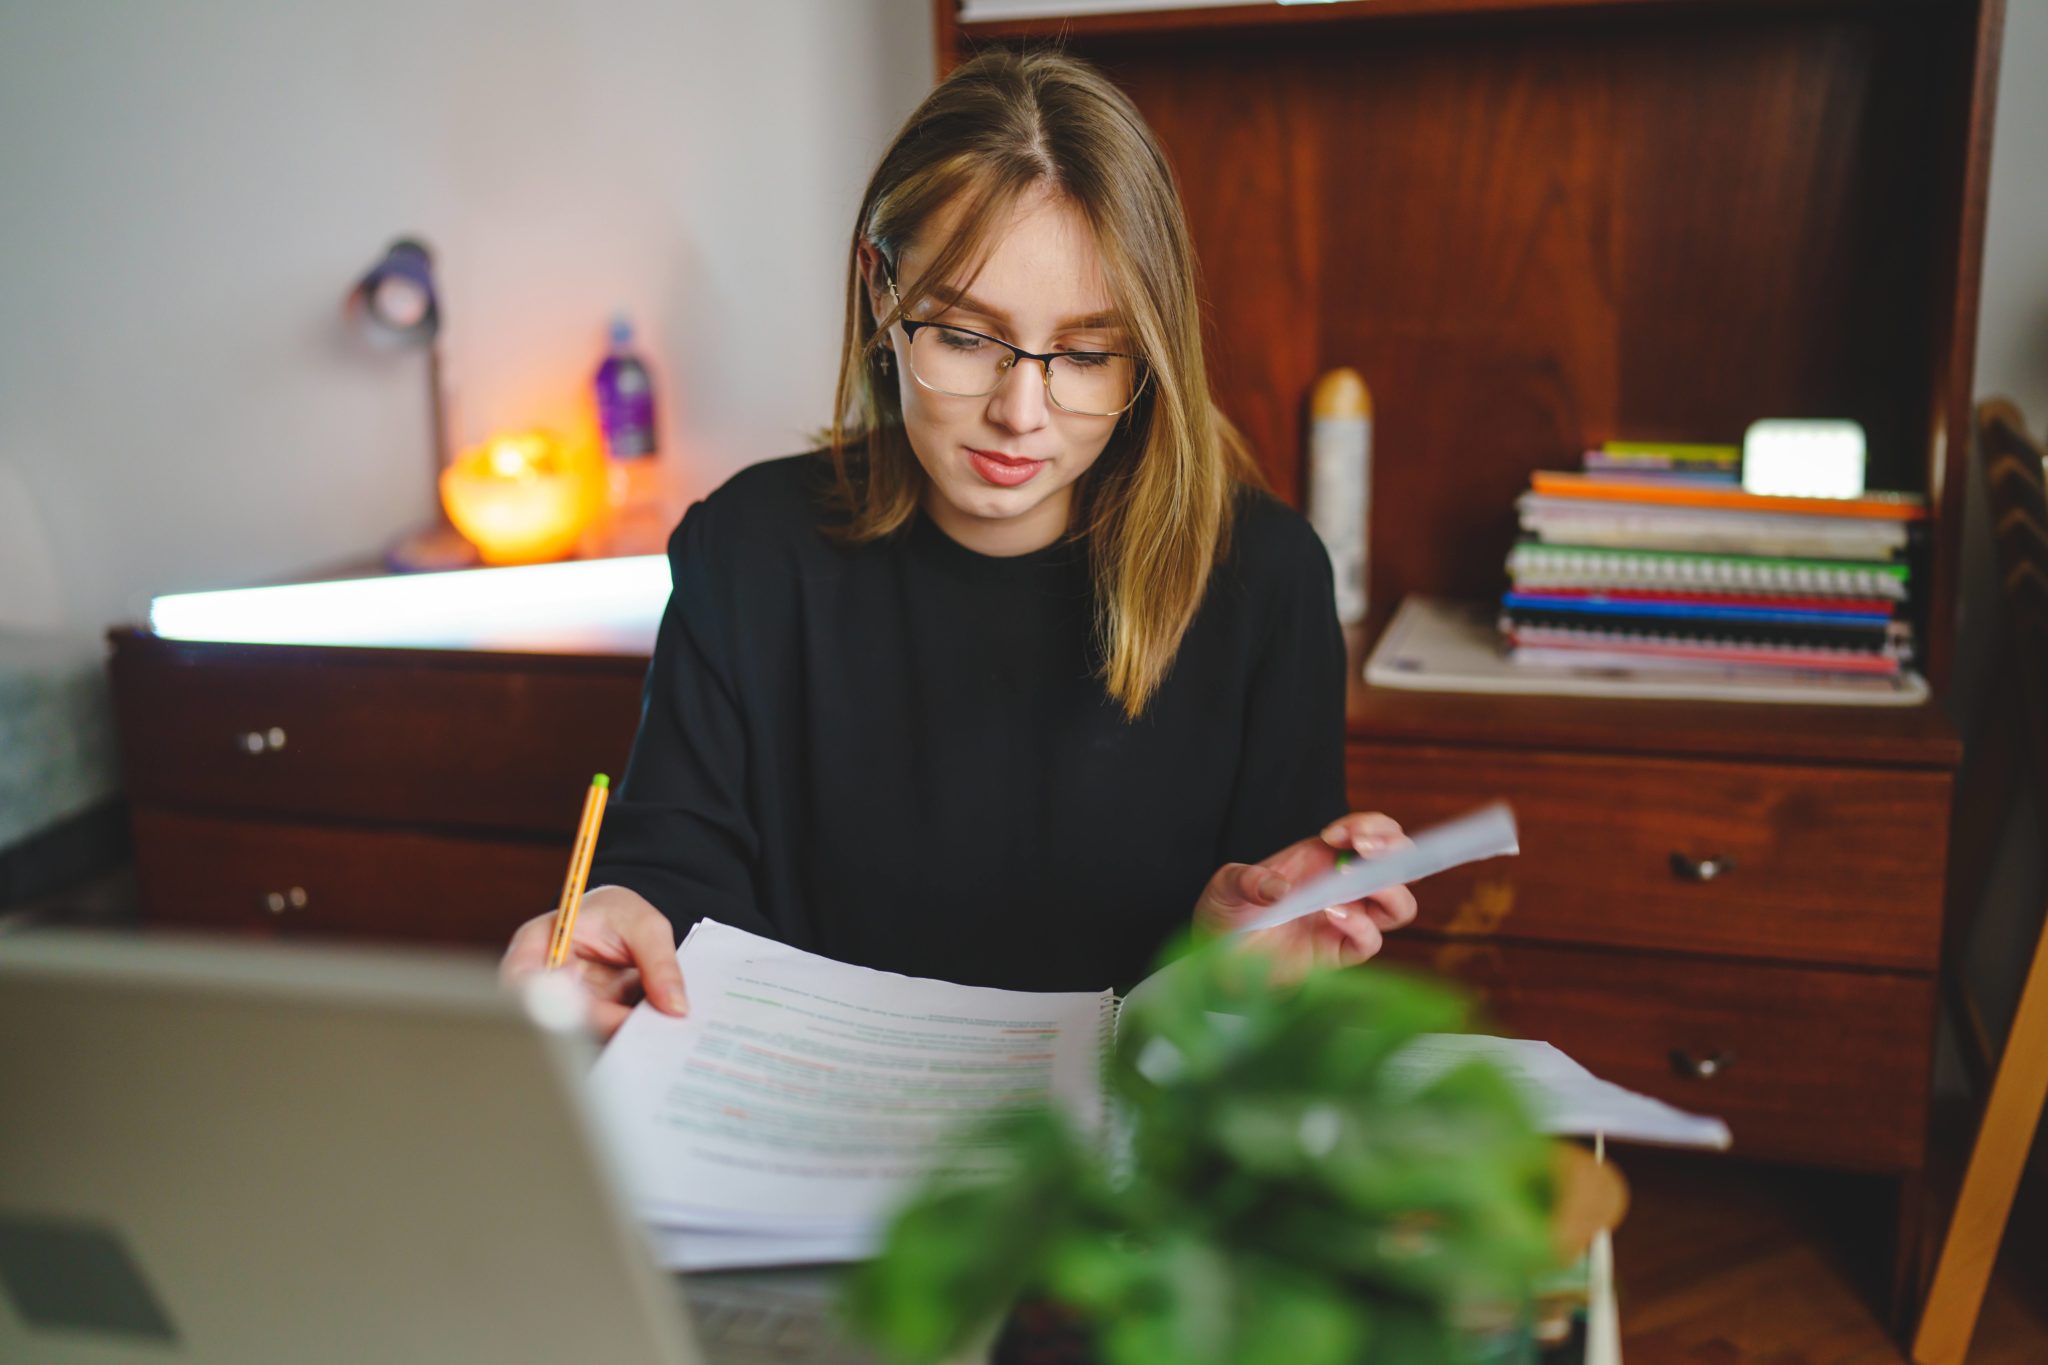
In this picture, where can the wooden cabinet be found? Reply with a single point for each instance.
(1756, 860)
(392, 794)
(333, 881)
(1734, 908)
(1805, 1064)
(505, 743)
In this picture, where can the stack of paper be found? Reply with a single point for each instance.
(782, 1120)
(786, 1114)
(1671, 571)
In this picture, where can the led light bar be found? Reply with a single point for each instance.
(592, 606)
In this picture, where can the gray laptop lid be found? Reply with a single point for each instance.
(231, 1152)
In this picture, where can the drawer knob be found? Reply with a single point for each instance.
(277, 902)
(1700, 869)
(261, 741)
(1701, 1068)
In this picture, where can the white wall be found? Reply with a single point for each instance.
(2012, 331)
(187, 190)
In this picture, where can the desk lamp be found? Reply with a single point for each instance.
(397, 305)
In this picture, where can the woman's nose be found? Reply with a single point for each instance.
(1019, 402)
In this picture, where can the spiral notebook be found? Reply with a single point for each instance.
(1434, 645)
(1706, 530)
(1537, 566)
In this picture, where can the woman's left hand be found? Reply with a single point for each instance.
(1339, 936)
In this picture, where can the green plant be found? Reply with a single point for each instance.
(1282, 1190)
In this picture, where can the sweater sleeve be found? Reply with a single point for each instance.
(1290, 781)
(678, 829)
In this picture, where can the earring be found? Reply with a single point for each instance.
(887, 356)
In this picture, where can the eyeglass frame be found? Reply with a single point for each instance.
(910, 328)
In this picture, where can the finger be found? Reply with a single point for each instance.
(1391, 908)
(1235, 889)
(652, 941)
(1259, 884)
(528, 951)
(1238, 886)
(1299, 860)
(1364, 831)
(1361, 938)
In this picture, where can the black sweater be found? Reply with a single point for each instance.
(901, 756)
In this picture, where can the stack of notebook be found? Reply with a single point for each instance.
(1654, 560)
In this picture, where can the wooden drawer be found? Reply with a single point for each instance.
(1830, 1067)
(306, 880)
(399, 737)
(1838, 865)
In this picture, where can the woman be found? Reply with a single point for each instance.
(988, 688)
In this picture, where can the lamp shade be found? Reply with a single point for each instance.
(524, 498)
(397, 294)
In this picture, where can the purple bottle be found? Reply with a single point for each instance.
(625, 410)
(625, 397)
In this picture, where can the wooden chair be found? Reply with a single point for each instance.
(2014, 478)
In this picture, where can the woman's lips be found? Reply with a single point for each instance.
(1003, 471)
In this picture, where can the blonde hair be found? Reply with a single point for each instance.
(1156, 505)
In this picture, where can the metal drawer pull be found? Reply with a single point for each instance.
(1700, 1068)
(277, 902)
(1700, 869)
(261, 741)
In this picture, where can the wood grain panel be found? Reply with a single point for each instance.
(1883, 737)
(201, 871)
(1532, 233)
(1819, 865)
(389, 736)
(1809, 1065)
(1263, 272)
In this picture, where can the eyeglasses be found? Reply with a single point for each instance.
(963, 363)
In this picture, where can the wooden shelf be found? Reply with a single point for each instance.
(1225, 19)
(139, 641)
(1873, 736)
(1651, 727)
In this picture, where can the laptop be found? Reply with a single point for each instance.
(233, 1152)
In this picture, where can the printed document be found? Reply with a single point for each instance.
(803, 1095)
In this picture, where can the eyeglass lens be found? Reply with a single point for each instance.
(969, 366)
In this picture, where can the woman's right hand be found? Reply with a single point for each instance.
(621, 951)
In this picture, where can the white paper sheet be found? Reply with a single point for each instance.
(701, 1249)
(1568, 1099)
(803, 1096)
(1488, 832)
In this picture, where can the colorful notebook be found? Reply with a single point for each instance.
(1438, 646)
(1855, 634)
(1648, 526)
(1860, 606)
(1541, 645)
(1537, 567)
(1871, 506)
(1597, 606)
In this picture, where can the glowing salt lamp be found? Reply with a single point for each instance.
(523, 498)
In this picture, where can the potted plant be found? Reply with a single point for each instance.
(1278, 1186)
